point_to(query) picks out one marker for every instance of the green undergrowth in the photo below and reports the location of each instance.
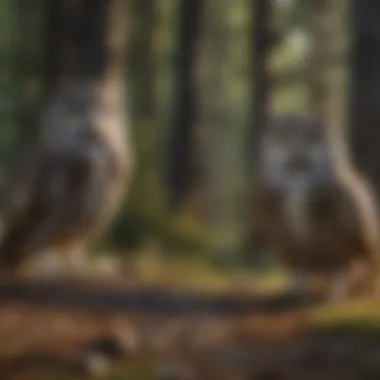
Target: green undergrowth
(361, 316)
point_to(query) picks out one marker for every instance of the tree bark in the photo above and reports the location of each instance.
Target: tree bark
(182, 170)
(261, 47)
(223, 124)
(141, 53)
(143, 215)
(364, 110)
(261, 83)
(77, 39)
(320, 58)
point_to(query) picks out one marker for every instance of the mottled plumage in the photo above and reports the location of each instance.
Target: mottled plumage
(69, 182)
(315, 213)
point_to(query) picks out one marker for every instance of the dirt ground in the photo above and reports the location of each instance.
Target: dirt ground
(40, 342)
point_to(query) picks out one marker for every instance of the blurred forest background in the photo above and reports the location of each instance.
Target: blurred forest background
(201, 77)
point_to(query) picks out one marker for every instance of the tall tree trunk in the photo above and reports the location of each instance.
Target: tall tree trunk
(223, 127)
(145, 208)
(141, 55)
(27, 66)
(320, 27)
(262, 44)
(182, 170)
(261, 48)
(364, 121)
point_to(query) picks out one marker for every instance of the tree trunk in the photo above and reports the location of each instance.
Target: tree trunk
(320, 59)
(223, 125)
(319, 49)
(261, 37)
(77, 34)
(262, 44)
(182, 170)
(145, 208)
(364, 132)
(141, 53)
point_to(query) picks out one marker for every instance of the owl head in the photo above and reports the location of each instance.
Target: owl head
(294, 151)
(68, 112)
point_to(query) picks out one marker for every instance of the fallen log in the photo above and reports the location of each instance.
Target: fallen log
(90, 295)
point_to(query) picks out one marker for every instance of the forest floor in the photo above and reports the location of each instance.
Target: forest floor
(324, 342)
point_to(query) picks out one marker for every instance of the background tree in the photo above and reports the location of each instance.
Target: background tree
(222, 127)
(364, 114)
(320, 57)
(198, 91)
(140, 218)
(182, 157)
(263, 39)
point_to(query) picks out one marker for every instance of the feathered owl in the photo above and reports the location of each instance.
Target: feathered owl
(69, 182)
(310, 206)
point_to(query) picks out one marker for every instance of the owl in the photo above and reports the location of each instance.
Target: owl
(310, 207)
(69, 182)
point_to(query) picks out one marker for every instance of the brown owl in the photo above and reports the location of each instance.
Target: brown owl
(69, 182)
(310, 207)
